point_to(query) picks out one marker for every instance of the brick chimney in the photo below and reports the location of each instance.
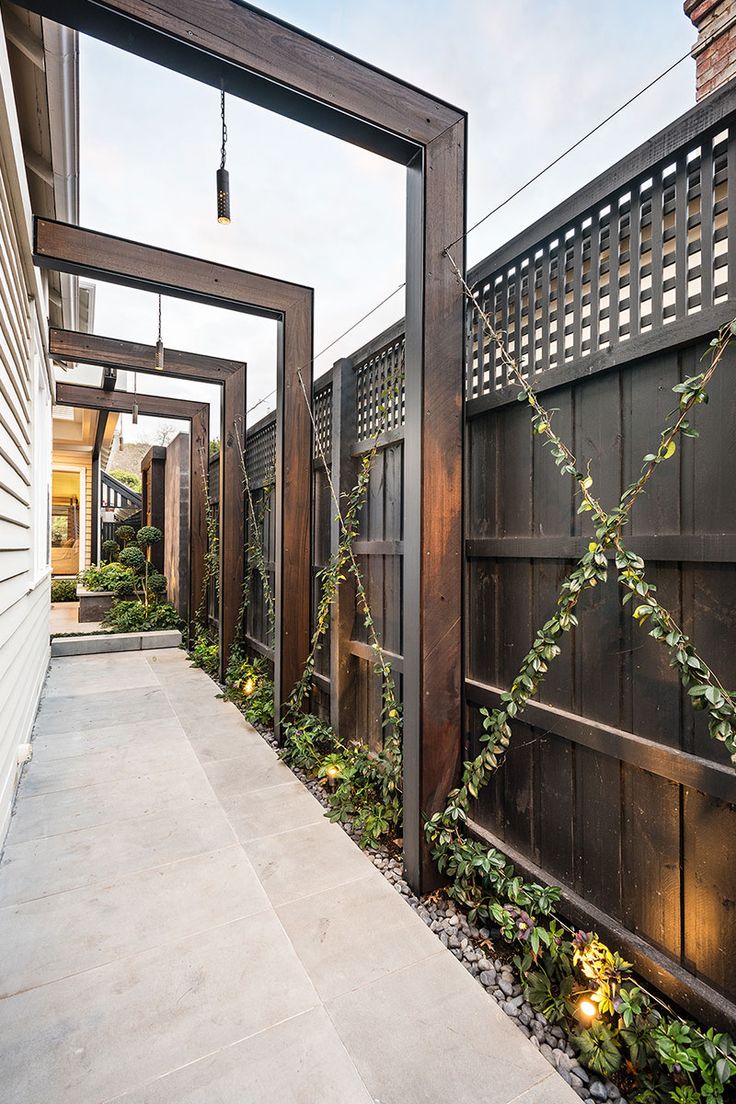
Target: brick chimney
(715, 50)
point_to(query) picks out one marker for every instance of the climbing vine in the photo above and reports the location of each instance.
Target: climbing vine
(579, 982)
(205, 651)
(366, 785)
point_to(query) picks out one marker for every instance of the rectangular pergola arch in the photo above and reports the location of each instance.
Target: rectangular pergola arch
(110, 352)
(66, 248)
(198, 415)
(250, 54)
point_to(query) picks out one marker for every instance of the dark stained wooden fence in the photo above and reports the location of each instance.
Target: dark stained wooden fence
(612, 787)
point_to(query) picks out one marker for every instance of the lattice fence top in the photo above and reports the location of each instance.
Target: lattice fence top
(322, 407)
(260, 455)
(653, 252)
(374, 377)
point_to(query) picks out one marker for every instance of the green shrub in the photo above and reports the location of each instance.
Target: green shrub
(157, 584)
(148, 535)
(105, 576)
(130, 479)
(250, 687)
(125, 534)
(63, 590)
(124, 586)
(206, 655)
(133, 558)
(110, 549)
(134, 617)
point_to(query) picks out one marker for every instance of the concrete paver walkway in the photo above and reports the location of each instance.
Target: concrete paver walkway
(179, 924)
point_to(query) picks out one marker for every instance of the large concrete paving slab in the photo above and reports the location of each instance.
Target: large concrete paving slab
(179, 924)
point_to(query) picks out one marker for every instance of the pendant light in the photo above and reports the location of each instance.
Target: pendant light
(223, 177)
(134, 412)
(159, 343)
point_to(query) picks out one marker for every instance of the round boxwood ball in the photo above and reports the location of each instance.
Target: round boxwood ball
(125, 534)
(148, 535)
(133, 557)
(110, 549)
(157, 583)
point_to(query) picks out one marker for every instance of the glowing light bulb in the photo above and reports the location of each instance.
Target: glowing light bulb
(588, 1008)
(249, 687)
(332, 771)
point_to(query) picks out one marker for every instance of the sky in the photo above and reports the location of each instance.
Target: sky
(534, 75)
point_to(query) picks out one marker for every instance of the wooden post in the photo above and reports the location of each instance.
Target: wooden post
(344, 475)
(433, 478)
(153, 511)
(293, 501)
(198, 536)
(232, 514)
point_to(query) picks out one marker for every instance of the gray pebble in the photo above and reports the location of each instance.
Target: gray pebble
(598, 1091)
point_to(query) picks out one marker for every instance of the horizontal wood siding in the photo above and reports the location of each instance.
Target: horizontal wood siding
(25, 447)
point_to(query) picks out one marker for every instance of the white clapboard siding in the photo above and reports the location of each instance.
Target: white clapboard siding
(25, 468)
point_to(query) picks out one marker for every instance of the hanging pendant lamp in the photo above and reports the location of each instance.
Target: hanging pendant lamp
(134, 412)
(223, 177)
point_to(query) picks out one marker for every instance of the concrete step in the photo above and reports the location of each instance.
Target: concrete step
(115, 642)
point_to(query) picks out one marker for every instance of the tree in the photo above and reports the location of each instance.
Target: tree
(130, 479)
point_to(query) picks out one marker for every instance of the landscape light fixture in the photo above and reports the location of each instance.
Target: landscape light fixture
(159, 343)
(223, 178)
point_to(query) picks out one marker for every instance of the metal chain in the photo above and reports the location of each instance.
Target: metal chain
(224, 129)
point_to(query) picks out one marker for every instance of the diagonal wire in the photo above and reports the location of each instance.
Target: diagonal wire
(569, 150)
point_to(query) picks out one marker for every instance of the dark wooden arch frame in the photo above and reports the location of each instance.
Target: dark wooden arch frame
(198, 415)
(248, 53)
(66, 248)
(231, 377)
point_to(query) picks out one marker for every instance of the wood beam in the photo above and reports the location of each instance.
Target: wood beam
(82, 252)
(121, 402)
(262, 59)
(67, 248)
(134, 356)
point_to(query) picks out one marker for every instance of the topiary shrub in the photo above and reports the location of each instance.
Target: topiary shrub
(133, 558)
(148, 535)
(125, 534)
(157, 584)
(110, 549)
(63, 590)
(124, 586)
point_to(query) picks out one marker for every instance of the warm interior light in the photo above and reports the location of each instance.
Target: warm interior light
(587, 1008)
